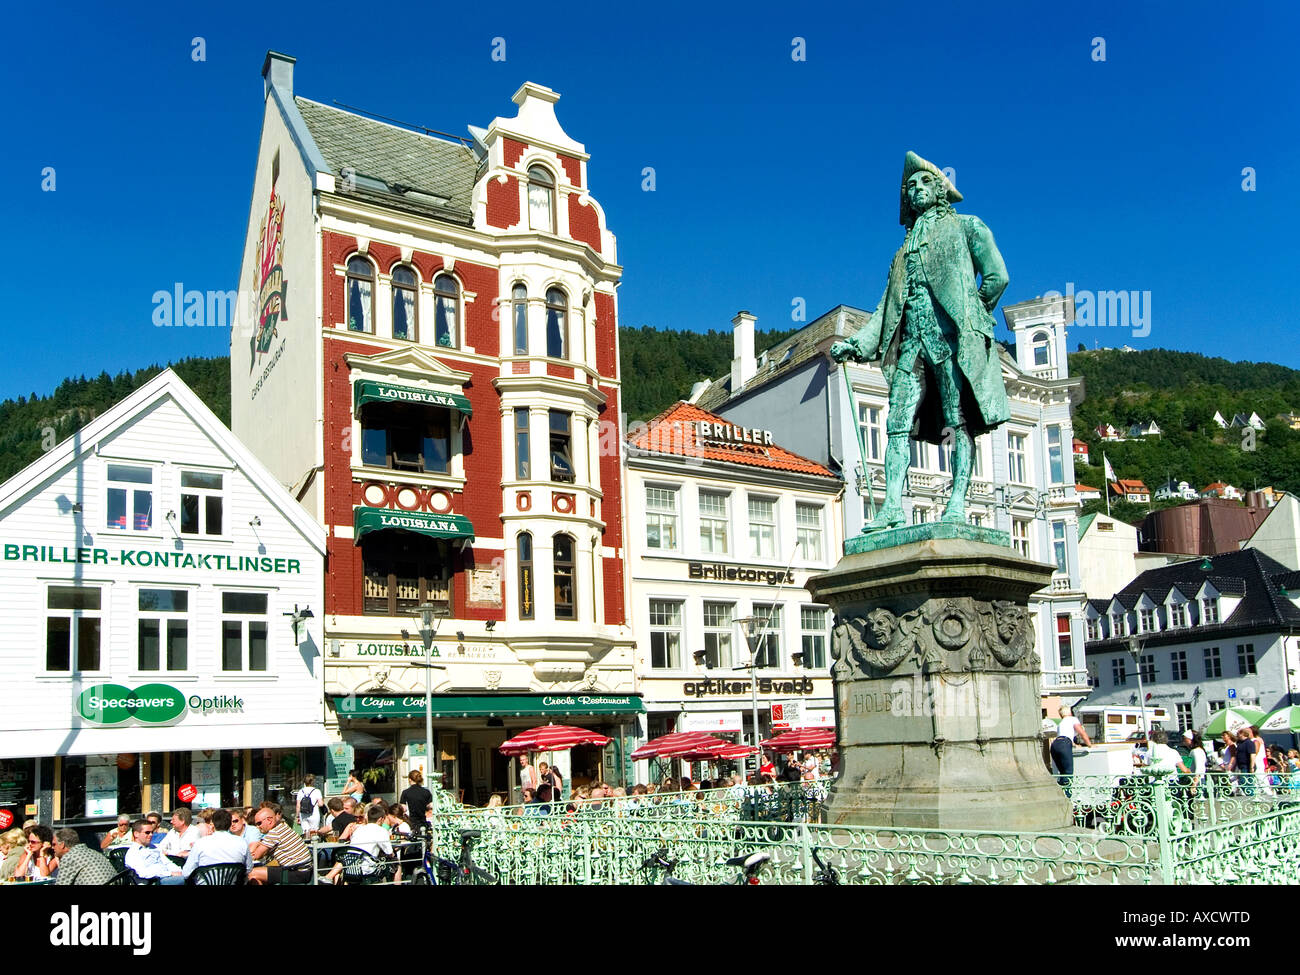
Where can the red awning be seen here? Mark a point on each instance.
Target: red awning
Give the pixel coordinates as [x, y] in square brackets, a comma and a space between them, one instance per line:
[675, 744]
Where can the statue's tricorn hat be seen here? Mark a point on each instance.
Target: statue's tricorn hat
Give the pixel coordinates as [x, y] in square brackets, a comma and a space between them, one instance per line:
[912, 163]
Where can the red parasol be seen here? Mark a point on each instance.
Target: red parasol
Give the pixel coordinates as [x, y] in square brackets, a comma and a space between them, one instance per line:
[803, 738]
[552, 738]
[677, 743]
[724, 750]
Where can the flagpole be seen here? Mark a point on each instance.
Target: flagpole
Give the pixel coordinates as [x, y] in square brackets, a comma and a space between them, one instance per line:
[1105, 461]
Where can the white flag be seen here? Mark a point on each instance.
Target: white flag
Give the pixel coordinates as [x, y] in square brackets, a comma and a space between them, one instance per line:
[1110, 471]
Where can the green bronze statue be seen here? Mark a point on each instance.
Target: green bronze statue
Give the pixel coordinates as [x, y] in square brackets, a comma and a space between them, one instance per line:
[933, 332]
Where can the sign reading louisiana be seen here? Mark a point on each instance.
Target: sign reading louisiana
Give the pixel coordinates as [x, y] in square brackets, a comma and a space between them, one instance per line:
[113, 703]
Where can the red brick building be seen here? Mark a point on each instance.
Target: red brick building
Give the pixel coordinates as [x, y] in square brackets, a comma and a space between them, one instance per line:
[427, 355]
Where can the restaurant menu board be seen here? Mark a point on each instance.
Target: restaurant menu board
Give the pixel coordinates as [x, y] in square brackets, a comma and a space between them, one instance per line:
[205, 774]
[338, 757]
[101, 785]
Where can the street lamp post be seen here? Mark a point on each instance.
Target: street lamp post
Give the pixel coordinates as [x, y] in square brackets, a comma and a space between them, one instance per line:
[430, 616]
[1135, 651]
[752, 628]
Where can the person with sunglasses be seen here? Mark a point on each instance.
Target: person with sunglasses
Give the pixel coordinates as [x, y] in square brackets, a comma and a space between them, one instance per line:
[38, 859]
[148, 862]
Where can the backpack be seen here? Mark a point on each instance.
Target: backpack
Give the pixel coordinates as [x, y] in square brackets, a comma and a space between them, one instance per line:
[305, 805]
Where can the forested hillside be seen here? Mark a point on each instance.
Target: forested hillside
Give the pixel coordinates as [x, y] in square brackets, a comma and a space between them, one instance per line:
[31, 424]
[1181, 391]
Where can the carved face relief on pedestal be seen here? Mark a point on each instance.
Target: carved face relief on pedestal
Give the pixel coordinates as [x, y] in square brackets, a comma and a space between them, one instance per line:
[1008, 631]
[881, 624]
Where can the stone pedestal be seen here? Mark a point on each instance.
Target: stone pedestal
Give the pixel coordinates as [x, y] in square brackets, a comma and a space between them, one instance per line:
[937, 683]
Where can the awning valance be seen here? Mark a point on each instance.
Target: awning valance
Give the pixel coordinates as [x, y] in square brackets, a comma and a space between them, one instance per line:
[375, 391]
[486, 705]
[366, 520]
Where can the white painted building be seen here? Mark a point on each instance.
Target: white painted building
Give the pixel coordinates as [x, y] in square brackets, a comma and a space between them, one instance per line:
[160, 599]
[724, 523]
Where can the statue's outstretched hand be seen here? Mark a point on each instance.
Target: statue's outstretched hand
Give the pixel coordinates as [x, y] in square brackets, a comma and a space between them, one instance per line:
[845, 350]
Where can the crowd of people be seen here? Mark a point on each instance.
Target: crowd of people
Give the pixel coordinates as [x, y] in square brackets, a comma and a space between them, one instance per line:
[259, 840]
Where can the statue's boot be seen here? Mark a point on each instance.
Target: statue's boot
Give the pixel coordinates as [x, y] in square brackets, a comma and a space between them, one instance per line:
[963, 457]
[896, 461]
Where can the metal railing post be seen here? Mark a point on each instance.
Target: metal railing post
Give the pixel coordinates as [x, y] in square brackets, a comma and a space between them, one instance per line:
[805, 854]
[1164, 828]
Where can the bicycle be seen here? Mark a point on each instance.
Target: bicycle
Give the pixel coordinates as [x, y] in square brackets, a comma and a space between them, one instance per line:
[826, 875]
[460, 872]
[659, 860]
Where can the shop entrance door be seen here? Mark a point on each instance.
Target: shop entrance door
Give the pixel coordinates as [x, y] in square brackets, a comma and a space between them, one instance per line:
[375, 755]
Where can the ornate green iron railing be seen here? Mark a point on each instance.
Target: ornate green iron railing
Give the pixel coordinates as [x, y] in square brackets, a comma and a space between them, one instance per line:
[1144, 829]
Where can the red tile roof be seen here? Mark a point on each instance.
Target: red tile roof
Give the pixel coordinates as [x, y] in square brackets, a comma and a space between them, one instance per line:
[674, 432]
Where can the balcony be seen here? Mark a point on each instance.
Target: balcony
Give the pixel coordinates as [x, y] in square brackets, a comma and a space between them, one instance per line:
[1071, 680]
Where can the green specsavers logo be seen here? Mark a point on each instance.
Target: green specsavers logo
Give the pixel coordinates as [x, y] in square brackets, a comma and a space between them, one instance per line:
[113, 703]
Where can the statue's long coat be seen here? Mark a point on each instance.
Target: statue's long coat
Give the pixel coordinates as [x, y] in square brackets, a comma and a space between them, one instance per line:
[958, 247]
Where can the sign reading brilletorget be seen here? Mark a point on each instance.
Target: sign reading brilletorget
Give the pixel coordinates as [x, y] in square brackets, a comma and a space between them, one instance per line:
[739, 573]
[151, 558]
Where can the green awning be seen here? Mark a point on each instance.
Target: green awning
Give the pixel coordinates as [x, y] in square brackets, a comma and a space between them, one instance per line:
[487, 705]
[374, 391]
[366, 520]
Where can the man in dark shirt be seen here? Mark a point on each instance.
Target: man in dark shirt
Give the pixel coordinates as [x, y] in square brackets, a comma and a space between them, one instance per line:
[1243, 762]
[342, 814]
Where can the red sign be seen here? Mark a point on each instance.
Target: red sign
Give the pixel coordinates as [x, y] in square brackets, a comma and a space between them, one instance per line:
[187, 793]
[6, 819]
[778, 718]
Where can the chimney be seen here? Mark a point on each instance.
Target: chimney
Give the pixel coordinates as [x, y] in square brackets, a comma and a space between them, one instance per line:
[743, 366]
[277, 72]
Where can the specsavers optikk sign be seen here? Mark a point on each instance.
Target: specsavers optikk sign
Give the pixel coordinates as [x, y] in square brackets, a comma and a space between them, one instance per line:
[148, 704]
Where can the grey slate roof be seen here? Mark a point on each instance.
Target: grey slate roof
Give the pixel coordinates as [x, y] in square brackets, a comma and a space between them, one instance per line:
[395, 166]
[1247, 573]
[788, 354]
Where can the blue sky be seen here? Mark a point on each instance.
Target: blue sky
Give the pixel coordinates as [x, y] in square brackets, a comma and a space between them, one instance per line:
[776, 179]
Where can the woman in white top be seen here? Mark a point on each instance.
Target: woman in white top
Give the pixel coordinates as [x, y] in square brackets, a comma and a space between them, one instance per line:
[1063, 746]
[1200, 761]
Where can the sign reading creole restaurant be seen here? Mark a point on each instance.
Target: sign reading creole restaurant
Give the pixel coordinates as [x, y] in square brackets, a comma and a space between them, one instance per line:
[500, 705]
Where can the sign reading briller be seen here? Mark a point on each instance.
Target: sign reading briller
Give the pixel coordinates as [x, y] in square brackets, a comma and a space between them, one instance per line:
[113, 703]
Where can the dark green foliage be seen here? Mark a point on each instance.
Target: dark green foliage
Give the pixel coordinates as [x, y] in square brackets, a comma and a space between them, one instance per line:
[661, 365]
[1181, 391]
[29, 425]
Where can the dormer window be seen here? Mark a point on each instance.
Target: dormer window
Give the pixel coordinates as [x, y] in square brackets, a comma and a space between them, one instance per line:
[360, 295]
[1177, 615]
[1146, 620]
[404, 303]
[446, 306]
[1116, 624]
[1210, 610]
[541, 199]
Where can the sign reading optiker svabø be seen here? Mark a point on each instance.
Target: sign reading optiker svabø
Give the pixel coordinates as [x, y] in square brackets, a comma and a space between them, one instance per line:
[113, 703]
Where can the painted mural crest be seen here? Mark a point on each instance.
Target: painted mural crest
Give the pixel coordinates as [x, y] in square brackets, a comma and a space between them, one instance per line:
[268, 278]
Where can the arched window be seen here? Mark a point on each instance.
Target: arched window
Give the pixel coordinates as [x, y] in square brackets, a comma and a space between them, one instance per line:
[541, 199]
[557, 324]
[360, 295]
[404, 303]
[525, 576]
[519, 300]
[1042, 343]
[446, 316]
[563, 558]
